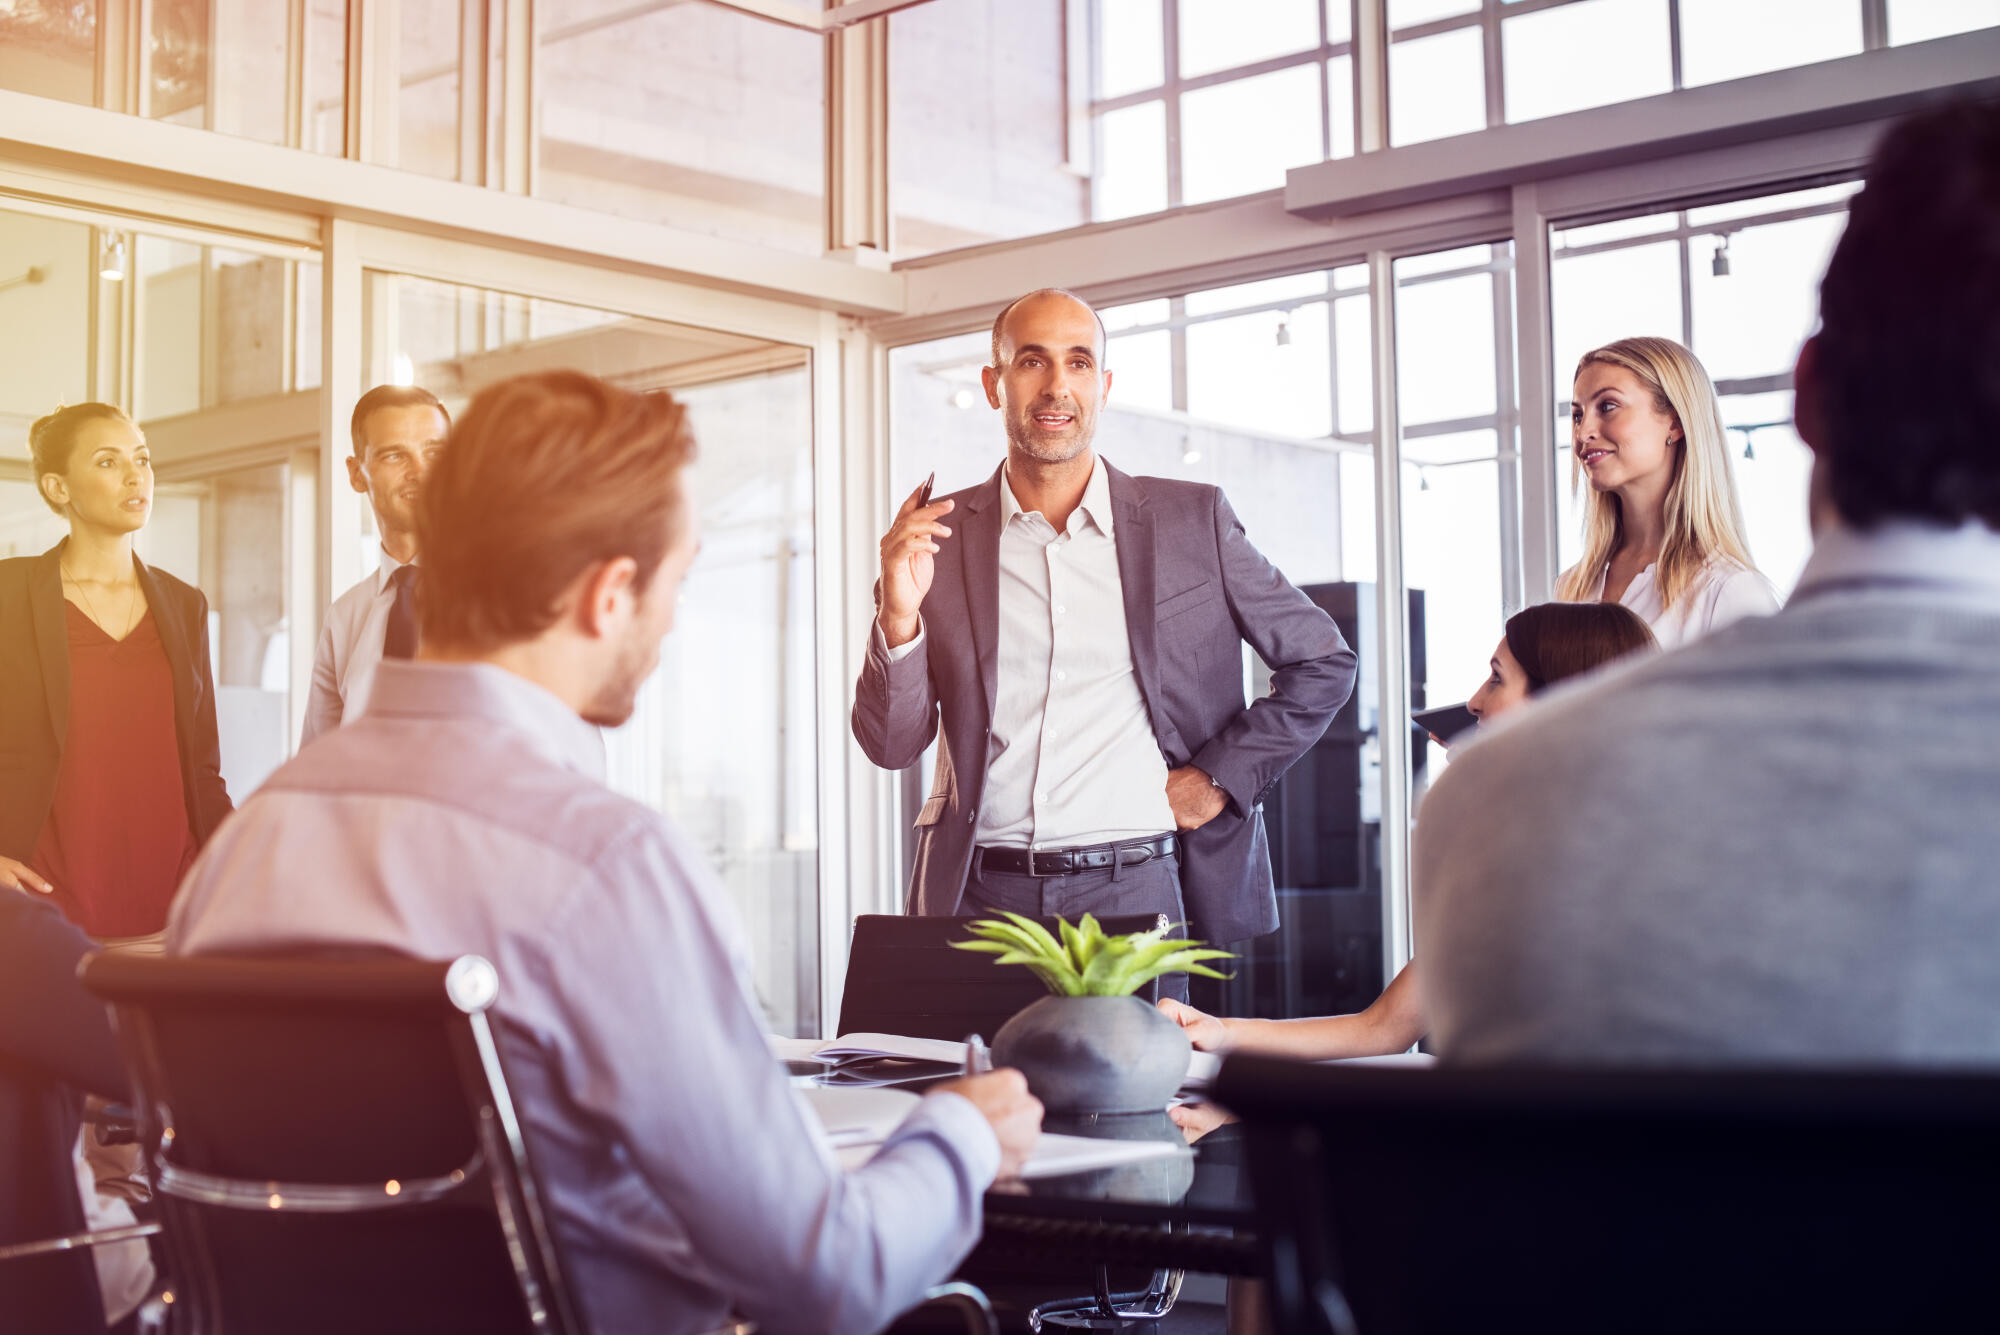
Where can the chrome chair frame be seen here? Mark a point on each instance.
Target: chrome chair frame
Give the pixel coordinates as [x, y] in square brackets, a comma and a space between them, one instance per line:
[497, 1176]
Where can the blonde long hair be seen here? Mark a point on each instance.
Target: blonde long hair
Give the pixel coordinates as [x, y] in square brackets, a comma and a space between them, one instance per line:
[1704, 522]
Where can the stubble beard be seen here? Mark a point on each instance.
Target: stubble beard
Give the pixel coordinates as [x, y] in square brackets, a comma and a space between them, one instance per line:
[1040, 447]
[613, 704]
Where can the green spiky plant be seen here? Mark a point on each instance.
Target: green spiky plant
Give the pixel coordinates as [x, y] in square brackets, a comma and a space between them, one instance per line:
[1086, 962]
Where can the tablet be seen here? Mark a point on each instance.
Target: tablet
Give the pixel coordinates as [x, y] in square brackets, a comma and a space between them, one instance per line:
[1445, 722]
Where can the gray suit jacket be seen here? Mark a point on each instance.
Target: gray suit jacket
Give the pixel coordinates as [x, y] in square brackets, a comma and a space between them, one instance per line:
[1195, 591]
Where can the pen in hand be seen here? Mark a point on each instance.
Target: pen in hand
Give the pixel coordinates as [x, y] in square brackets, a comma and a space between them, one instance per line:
[978, 1060]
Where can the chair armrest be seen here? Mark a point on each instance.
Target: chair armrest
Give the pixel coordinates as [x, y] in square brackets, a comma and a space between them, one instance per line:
[967, 1300]
[103, 1237]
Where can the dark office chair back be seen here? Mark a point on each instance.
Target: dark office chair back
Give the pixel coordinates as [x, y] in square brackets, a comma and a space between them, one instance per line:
[904, 978]
[333, 1147]
[1404, 1201]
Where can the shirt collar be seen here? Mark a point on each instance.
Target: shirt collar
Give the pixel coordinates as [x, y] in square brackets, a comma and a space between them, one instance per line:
[1963, 559]
[491, 694]
[385, 568]
[1095, 505]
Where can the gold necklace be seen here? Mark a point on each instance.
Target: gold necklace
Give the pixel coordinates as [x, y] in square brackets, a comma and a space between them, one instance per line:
[91, 607]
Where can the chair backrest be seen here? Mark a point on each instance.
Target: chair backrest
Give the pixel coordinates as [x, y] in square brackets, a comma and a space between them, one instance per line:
[904, 978]
[332, 1145]
[1399, 1201]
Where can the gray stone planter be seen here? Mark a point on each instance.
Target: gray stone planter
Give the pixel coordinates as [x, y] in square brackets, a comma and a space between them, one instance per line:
[1095, 1054]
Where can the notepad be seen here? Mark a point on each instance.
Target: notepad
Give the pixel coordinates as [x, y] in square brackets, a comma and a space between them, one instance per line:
[858, 1121]
[878, 1059]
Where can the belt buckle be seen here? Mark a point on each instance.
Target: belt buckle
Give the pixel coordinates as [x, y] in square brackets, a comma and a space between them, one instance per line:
[1032, 869]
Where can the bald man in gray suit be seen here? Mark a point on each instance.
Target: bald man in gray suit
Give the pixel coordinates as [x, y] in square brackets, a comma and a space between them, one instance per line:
[1077, 633]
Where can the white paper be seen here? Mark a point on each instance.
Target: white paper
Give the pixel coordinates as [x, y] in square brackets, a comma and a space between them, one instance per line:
[849, 1049]
[1055, 1154]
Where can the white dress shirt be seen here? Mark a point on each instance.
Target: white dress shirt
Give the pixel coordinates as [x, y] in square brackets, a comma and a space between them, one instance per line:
[350, 648]
[685, 1177]
[1722, 593]
[1072, 758]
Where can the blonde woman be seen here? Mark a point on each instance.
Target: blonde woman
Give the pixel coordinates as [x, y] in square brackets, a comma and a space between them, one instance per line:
[1663, 534]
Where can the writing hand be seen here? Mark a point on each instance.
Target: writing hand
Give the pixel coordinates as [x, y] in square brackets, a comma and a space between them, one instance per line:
[1015, 1115]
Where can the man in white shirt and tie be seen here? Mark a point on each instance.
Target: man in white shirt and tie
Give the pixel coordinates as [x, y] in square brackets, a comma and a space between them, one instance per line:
[398, 431]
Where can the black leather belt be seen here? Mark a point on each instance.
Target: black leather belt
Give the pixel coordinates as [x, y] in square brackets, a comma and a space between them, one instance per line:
[1067, 861]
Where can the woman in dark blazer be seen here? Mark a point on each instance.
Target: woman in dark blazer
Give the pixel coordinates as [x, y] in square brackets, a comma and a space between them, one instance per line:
[110, 770]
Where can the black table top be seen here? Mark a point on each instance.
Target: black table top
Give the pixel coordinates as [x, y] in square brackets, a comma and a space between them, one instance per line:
[1202, 1183]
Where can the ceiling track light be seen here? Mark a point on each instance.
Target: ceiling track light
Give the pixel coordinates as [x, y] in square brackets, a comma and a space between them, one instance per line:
[1285, 329]
[111, 258]
[1719, 266]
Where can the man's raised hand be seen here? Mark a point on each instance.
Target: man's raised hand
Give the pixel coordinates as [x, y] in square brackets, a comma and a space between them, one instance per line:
[909, 550]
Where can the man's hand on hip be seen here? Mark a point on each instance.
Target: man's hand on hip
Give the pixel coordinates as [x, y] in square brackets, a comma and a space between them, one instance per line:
[1194, 797]
[908, 552]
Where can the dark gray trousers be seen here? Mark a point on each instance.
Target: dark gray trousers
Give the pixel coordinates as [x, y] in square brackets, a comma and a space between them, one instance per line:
[1150, 887]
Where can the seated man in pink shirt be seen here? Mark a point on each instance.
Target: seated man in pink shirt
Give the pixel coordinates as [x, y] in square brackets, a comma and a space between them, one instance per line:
[466, 811]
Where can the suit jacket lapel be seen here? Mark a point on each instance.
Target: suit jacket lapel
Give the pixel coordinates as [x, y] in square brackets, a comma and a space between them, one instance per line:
[980, 564]
[45, 597]
[180, 656]
[1136, 566]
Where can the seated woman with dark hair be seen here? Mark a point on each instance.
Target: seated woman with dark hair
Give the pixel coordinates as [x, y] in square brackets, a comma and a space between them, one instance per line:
[1548, 642]
[1543, 645]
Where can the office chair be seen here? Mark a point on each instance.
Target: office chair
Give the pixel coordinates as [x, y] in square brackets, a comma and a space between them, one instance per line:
[904, 978]
[333, 1148]
[1417, 1201]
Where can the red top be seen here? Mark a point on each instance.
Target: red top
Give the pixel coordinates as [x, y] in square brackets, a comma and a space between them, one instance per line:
[117, 837]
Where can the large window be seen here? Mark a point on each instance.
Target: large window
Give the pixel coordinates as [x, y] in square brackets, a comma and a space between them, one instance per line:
[1738, 283]
[980, 140]
[207, 347]
[1190, 102]
[723, 740]
[250, 68]
[1262, 389]
[692, 115]
[1460, 472]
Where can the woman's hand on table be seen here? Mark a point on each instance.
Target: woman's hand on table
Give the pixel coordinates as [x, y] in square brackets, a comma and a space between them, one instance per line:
[1207, 1033]
[1198, 1119]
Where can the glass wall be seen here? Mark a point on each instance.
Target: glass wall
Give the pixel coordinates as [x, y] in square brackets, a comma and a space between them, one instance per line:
[1262, 389]
[1739, 284]
[241, 67]
[1189, 102]
[1460, 480]
[215, 354]
[723, 740]
[691, 115]
[981, 145]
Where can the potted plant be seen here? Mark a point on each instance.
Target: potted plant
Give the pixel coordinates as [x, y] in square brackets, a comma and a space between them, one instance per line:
[1091, 1046]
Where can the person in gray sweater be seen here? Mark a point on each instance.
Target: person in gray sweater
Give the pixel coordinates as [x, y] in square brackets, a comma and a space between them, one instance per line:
[1780, 845]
